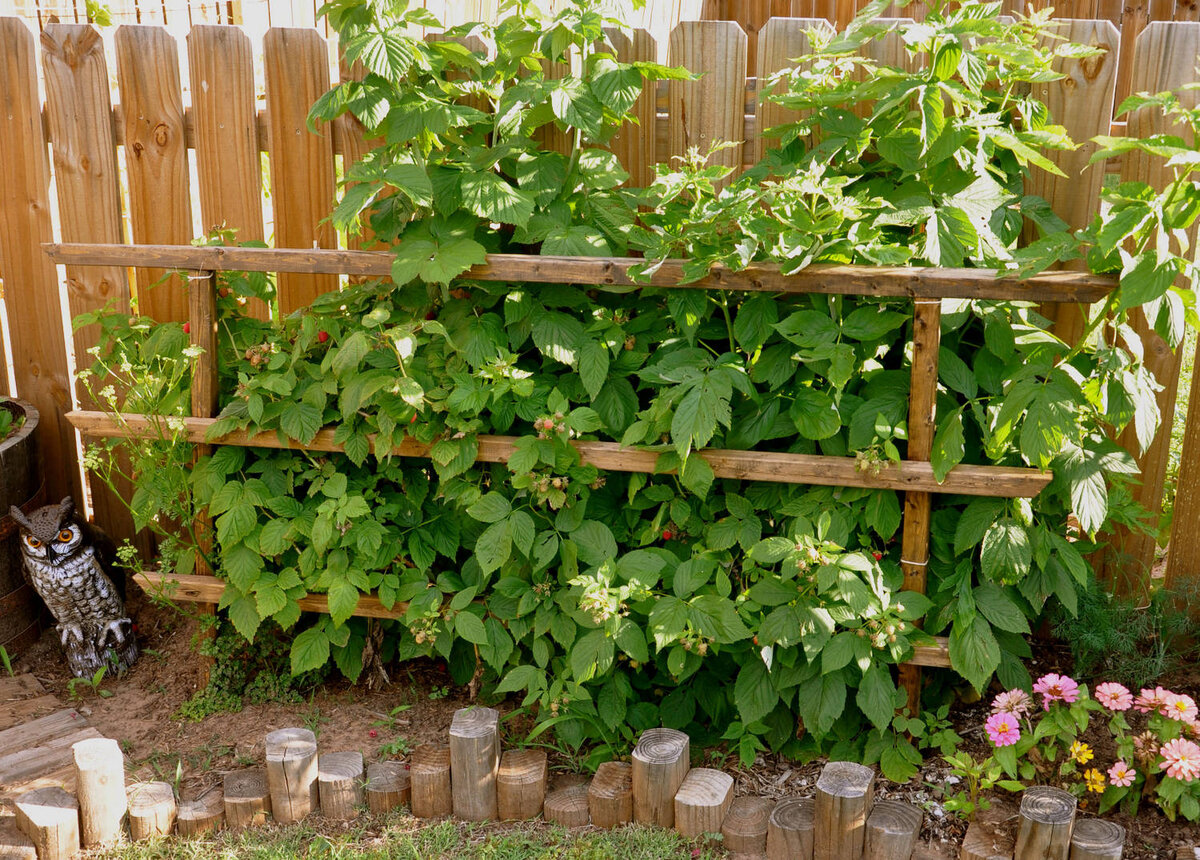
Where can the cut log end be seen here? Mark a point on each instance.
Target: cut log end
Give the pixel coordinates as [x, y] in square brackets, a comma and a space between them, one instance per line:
[568, 806]
[49, 817]
[475, 723]
[202, 816]
[15, 845]
[610, 798]
[100, 787]
[702, 801]
[388, 786]
[1097, 839]
[340, 784]
[474, 761]
[292, 774]
[247, 798]
[429, 773]
[521, 784]
[1044, 826]
[790, 829]
[991, 836]
[660, 762]
[892, 831]
[845, 794]
[745, 827]
[151, 810]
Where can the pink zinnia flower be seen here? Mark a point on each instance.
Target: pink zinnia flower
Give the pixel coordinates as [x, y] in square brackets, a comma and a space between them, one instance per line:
[1016, 702]
[1003, 729]
[1151, 700]
[1056, 688]
[1181, 759]
[1114, 696]
[1121, 774]
[1180, 707]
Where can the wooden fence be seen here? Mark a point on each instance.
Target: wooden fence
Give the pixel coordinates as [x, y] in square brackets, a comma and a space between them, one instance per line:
[142, 163]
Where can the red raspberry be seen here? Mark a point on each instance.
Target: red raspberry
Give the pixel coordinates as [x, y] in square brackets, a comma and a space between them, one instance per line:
[667, 534]
[322, 336]
[373, 733]
[414, 420]
[187, 328]
[878, 555]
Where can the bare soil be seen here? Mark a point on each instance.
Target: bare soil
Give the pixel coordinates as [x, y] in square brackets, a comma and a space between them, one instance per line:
[141, 713]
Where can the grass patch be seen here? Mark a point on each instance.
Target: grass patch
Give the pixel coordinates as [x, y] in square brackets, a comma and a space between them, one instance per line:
[401, 837]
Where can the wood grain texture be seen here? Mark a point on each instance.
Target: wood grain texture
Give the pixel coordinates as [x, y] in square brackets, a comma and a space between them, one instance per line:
[568, 806]
[247, 798]
[429, 774]
[474, 762]
[1164, 59]
[388, 786]
[100, 787]
[302, 177]
[50, 818]
[79, 118]
[634, 144]
[1183, 559]
[661, 760]
[1082, 102]
[33, 733]
[780, 42]
[156, 160]
[30, 280]
[349, 140]
[895, 281]
[892, 831]
[521, 784]
[710, 110]
[610, 796]
[744, 831]
[340, 784]
[152, 810]
[790, 829]
[1045, 823]
[845, 794]
[1097, 839]
[201, 816]
[221, 71]
[291, 757]
[702, 801]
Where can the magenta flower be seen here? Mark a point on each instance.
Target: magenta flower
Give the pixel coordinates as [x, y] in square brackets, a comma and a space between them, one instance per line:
[1121, 775]
[1180, 707]
[1114, 696]
[1016, 702]
[1181, 759]
[1152, 700]
[1003, 729]
[1056, 688]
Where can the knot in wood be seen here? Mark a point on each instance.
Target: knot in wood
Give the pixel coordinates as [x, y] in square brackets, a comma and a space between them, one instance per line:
[162, 134]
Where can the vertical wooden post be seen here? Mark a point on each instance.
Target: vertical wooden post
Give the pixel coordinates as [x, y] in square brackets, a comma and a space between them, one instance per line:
[388, 786]
[1183, 559]
[340, 782]
[922, 406]
[521, 784]
[1044, 829]
[568, 806]
[634, 145]
[779, 43]
[660, 762]
[201, 816]
[292, 773]
[151, 810]
[30, 279]
[892, 831]
[1097, 839]
[429, 775]
[845, 794]
[50, 818]
[745, 827]
[610, 796]
[247, 798]
[700, 113]
[100, 786]
[474, 761]
[202, 321]
[702, 801]
[790, 829]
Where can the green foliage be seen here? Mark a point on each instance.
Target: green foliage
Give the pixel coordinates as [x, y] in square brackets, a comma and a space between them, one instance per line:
[612, 602]
[9, 423]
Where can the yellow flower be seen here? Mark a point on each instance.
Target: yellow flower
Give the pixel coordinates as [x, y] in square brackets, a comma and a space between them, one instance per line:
[1081, 752]
[1095, 780]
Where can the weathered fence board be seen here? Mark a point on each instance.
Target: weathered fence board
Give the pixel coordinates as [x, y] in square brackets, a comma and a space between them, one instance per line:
[302, 182]
[634, 144]
[701, 113]
[79, 115]
[30, 280]
[156, 159]
[780, 42]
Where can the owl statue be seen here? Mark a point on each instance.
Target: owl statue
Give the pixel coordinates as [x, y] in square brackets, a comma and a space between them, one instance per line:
[61, 561]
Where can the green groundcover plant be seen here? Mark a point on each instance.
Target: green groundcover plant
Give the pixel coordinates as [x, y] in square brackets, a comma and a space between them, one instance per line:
[765, 614]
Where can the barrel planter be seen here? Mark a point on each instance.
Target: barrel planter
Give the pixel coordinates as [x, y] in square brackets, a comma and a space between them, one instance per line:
[21, 610]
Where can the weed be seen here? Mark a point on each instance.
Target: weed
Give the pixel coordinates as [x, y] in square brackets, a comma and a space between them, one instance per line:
[399, 748]
[4, 658]
[438, 693]
[92, 683]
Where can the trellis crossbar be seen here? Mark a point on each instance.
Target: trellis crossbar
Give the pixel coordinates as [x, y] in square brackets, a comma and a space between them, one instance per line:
[914, 475]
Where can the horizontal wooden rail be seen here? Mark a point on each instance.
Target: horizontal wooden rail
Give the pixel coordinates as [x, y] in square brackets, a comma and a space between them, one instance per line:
[208, 589]
[784, 468]
[894, 281]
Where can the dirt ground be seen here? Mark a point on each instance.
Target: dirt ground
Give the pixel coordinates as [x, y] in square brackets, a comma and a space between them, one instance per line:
[140, 714]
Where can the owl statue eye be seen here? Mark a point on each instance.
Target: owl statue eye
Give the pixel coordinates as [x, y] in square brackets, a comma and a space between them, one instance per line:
[65, 535]
[33, 542]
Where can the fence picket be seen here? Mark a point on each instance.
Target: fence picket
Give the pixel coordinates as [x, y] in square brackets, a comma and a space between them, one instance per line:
[221, 68]
[350, 141]
[302, 179]
[634, 144]
[1082, 102]
[1165, 60]
[30, 279]
[79, 114]
[781, 41]
[710, 109]
[160, 202]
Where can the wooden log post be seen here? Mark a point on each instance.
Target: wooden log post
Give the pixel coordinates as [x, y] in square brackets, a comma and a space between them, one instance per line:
[610, 797]
[568, 806]
[50, 818]
[100, 787]
[845, 792]
[922, 408]
[388, 786]
[474, 761]
[745, 828]
[992, 835]
[892, 831]
[340, 783]
[1045, 823]
[1097, 839]
[201, 816]
[702, 801]
[151, 810]
[521, 784]
[660, 762]
[15, 845]
[790, 829]
[292, 774]
[429, 772]
[247, 798]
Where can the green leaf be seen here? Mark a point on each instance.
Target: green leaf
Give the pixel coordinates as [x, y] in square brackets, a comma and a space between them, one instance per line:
[976, 519]
[343, 600]
[470, 627]
[494, 546]
[489, 196]
[243, 612]
[491, 507]
[591, 655]
[593, 367]
[974, 651]
[596, 542]
[814, 414]
[876, 696]
[820, 701]
[1001, 609]
[755, 322]
[949, 445]
[753, 691]
[1006, 554]
[310, 650]
[301, 421]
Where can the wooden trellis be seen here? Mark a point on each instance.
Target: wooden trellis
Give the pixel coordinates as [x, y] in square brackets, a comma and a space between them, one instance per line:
[914, 475]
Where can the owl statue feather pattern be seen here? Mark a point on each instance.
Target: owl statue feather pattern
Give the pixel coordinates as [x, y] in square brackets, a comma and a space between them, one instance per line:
[62, 563]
